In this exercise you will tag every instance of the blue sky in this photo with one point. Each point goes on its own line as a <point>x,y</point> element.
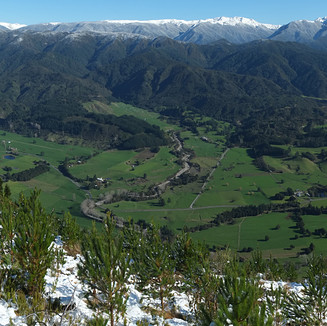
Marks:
<point>272,11</point>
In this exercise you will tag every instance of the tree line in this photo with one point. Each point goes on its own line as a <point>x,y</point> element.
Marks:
<point>28,174</point>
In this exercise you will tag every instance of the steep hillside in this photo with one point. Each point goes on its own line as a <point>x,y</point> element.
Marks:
<point>40,71</point>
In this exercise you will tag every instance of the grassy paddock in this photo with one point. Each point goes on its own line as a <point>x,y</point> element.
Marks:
<point>52,152</point>
<point>119,109</point>
<point>128,169</point>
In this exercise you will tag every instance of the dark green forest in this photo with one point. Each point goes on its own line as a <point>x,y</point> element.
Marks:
<point>270,90</point>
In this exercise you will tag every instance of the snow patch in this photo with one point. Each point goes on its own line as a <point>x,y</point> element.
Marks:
<point>12,26</point>
<point>233,21</point>
<point>155,22</point>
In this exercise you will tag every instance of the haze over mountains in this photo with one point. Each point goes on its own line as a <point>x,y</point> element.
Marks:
<point>235,30</point>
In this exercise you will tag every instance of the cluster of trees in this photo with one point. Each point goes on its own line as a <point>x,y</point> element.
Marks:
<point>282,126</point>
<point>261,164</point>
<point>318,190</point>
<point>28,174</point>
<point>63,167</point>
<point>280,195</point>
<point>71,119</point>
<point>266,149</point>
<point>228,217</point>
<point>184,179</point>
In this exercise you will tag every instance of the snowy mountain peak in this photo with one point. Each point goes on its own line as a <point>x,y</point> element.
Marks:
<point>233,21</point>
<point>321,20</point>
<point>154,22</point>
<point>11,26</point>
<point>202,31</point>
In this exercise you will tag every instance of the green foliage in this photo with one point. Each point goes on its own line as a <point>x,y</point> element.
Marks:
<point>154,266</point>
<point>197,276</point>
<point>275,302</point>
<point>7,235</point>
<point>34,242</point>
<point>105,270</point>
<point>187,253</point>
<point>98,321</point>
<point>26,251</point>
<point>310,307</point>
<point>69,230</point>
<point>206,284</point>
<point>238,297</point>
<point>30,173</point>
<point>257,264</point>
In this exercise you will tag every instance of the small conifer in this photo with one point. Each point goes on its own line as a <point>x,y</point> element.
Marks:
<point>105,270</point>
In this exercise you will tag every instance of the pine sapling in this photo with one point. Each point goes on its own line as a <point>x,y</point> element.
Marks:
<point>105,270</point>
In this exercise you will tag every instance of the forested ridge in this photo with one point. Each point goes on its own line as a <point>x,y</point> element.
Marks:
<point>271,86</point>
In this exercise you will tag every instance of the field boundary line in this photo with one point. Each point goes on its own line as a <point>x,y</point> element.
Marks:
<point>209,176</point>
<point>239,233</point>
<point>175,209</point>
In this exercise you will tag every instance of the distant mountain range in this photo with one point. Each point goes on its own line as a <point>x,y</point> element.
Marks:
<point>235,30</point>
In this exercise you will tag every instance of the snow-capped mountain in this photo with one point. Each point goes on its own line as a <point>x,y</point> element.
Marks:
<point>9,26</point>
<point>233,29</point>
<point>301,31</point>
<point>167,28</point>
<point>236,29</point>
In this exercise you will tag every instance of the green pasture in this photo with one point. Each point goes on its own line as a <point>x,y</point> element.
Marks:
<point>21,162</point>
<point>128,169</point>
<point>157,168</point>
<point>251,232</point>
<point>236,181</point>
<point>299,165</point>
<point>103,164</point>
<point>174,219</point>
<point>319,202</point>
<point>58,193</point>
<point>52,152</point>
<point>199,146</point>
<point>311,223</point>
<point>254,229</point>
<point>119,109</point>
<point>224,235</point>
<point>298,173</point>
<point>179,197</point>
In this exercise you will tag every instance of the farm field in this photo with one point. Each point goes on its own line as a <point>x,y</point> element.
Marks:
<point>53,152</point>
<point>217,180</point>
<point>250,232</point>
<point>120,109</point>
<point>128,169</point>
<point>56,191</point>
<point>237,181</point>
